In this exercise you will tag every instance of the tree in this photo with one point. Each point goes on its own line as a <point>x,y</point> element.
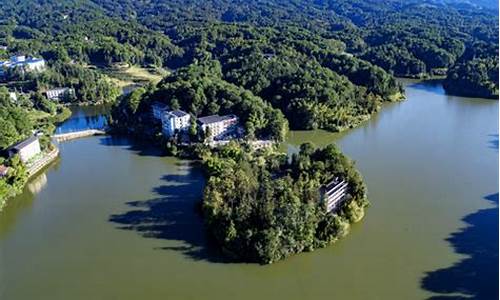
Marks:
<point>193,129</point>
<point>208,134</point>
<point>8,134</point>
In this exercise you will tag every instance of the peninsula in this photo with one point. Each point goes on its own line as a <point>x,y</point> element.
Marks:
<point>262,206</point>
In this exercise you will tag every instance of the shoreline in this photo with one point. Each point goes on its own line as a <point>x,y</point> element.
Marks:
<point>37,167</point>
<point>43,162</point>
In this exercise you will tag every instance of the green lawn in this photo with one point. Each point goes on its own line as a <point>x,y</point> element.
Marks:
<point>126,75</point>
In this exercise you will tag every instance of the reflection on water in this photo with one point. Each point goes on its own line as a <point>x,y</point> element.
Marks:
<point>85,117</point>
<point>23,203</point>
<point>494,141</point>
<point>37,183</point>
<point>130,88</point>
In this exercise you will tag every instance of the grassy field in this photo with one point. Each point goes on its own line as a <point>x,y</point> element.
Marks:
<point>126,76</point>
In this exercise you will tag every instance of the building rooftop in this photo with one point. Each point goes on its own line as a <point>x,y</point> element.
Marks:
<point>215,119</point>
<point>59,89</point>
<point>3,170</point>
<point>24,143</point>
<point>179,113</point>
<point>334,185</point>
<point>20,60</point>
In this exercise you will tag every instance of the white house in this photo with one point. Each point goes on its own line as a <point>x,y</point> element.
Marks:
<point>27,64</point>
<point>59,93</point>
<point>13,96</point>
<point>218,125</point>
<point>158,109</point>
<point>334,193</point>
<point>173,121</point>
<point>4,170</point>
<point>26,149</point>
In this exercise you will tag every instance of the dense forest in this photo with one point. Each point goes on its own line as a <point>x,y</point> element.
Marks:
<point>239,69</point>
<point>262,207</point>
<point>406,38</point>
<point>410,38</point>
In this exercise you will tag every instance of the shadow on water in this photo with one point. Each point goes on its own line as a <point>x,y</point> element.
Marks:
<point>476,276</point>
<point>136,146</point>
<point>429,85</point>
<point>173,216</point>
<point>493,144</point>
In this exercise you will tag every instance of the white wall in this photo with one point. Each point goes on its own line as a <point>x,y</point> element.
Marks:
<point>29,151</point>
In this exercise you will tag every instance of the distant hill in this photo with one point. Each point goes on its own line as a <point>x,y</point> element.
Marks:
<point>489,4</point>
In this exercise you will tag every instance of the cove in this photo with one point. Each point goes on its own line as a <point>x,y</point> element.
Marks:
<point>113,219</point>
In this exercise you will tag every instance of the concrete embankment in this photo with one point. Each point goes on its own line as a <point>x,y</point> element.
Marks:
<point>78,134</point>
<point>43,162</point>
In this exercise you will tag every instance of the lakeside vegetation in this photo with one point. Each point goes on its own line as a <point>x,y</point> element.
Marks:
<point>13,183</point>
<point>475,78</point>
<point>262,207</point>
<point>18,120</point>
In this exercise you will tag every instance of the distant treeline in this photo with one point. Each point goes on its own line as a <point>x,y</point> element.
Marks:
<point>411,38</point>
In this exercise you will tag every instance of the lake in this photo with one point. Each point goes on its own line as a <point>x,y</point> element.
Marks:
<point>85,117</point>
<point>113,219</point>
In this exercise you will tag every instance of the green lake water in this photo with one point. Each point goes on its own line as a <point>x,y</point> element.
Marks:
<point>114,220</point>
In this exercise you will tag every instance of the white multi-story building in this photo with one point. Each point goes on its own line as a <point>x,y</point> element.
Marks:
<point>334,193</point>
<point>217,125</point>
<point>175,121</point>
<point>158,109</point>
<point>26,149</point>
<point>59,93</point>
<point>27,64</point>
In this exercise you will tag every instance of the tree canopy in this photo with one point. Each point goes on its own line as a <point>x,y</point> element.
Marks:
<point>262,207</point>
<point>255,40</point>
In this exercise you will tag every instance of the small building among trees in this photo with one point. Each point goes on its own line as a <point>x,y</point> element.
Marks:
<point>27,149</point>
<point>23,63</point>
<point>60,93</point>
<point>4,170</point>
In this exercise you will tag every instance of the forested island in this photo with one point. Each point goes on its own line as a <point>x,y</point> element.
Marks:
<point>263,207</point>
